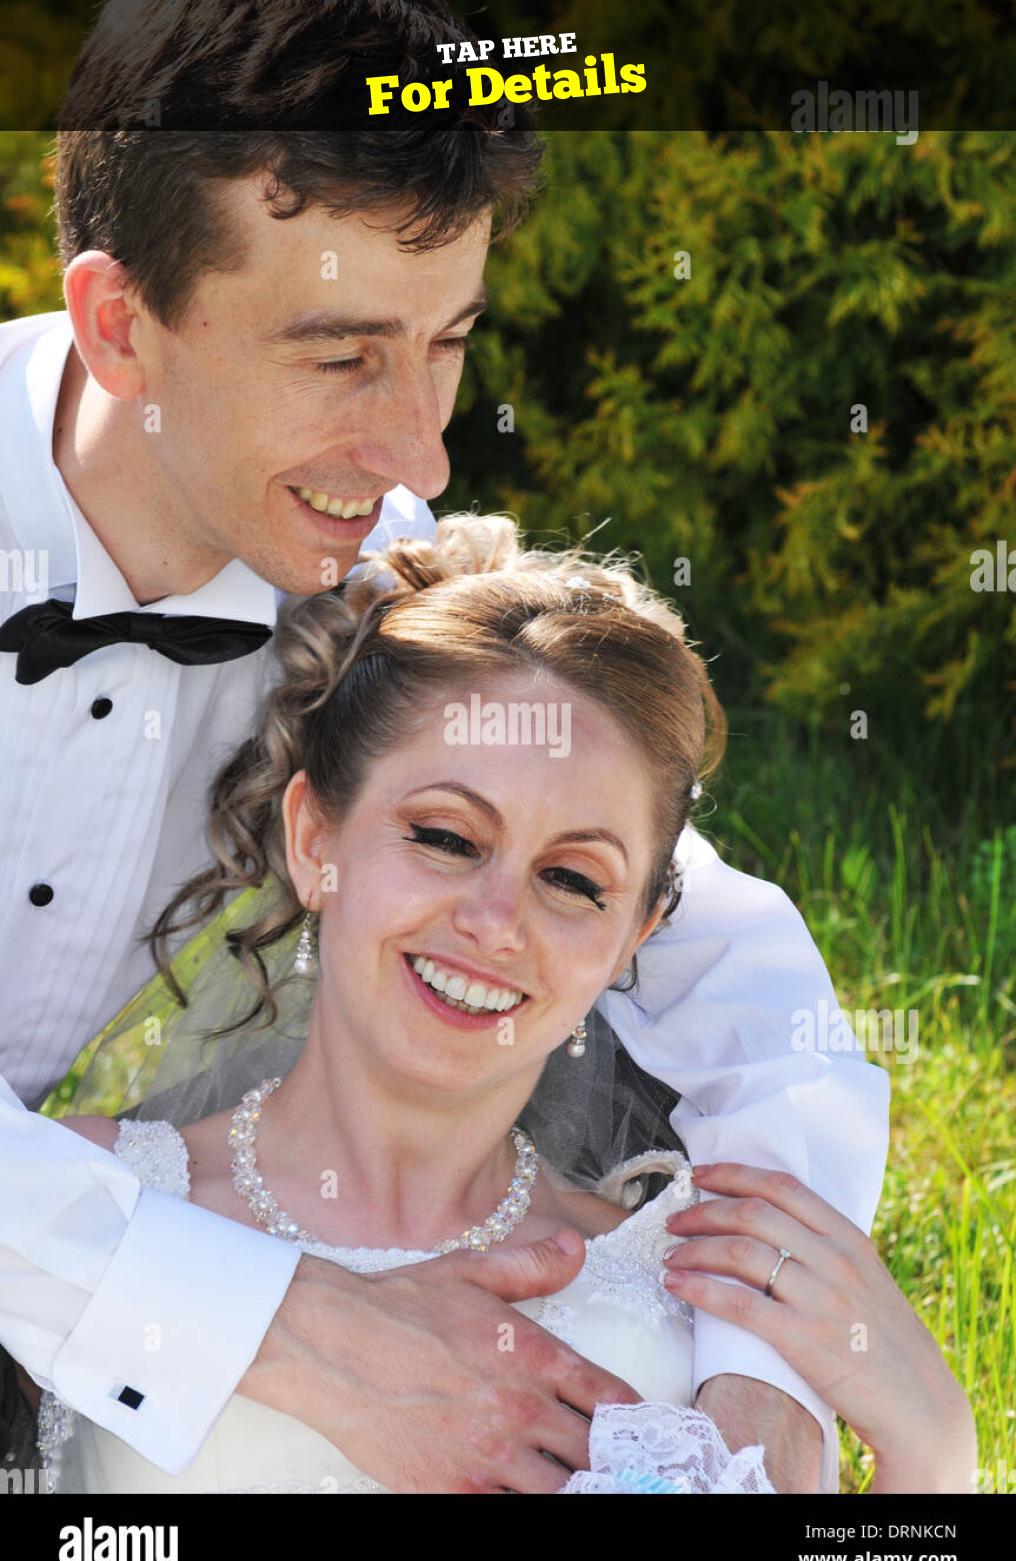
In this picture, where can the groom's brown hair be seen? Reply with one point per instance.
(149, 128)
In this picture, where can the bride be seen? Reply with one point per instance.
(417, 1074)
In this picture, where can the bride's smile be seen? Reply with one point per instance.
(465, 991)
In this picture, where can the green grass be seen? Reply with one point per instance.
(913, 905)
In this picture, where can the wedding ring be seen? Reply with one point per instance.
(784, 1254)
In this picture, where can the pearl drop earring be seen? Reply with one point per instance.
(577, 1043)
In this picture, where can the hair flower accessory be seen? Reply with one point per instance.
(695, 790)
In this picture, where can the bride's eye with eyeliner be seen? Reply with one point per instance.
(576, 883)
(442, 839)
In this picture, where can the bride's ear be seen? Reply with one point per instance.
(632, 947)
(305, 835)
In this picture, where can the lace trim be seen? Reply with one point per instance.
(365, 1260)
(157, 1154)
(659, 1449)
(624, 1263)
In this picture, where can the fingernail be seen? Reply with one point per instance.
(674, 1278)
(669, 1253)
(568, 1241)
(700, 1170)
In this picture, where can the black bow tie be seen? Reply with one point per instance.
(46, 636)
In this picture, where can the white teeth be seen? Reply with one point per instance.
(339, 509)
(472, 996)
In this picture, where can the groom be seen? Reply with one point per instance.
(251, 379)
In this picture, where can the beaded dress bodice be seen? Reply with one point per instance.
(615, 1312)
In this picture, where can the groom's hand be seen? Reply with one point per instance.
(427, 1380)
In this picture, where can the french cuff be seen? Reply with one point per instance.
(173, 1325)
(721, 1349)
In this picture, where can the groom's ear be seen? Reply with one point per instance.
(104, 311)
(305, 836)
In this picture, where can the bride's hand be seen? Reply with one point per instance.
(835, 1314)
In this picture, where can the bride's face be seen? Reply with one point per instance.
(478, 896)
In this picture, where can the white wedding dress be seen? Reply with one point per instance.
(615, 1312)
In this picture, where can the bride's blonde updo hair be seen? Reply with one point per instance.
(357, 665)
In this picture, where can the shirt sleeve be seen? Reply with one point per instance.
(107, 1285)
(406, 507)
(402, 515)
(735, 1010)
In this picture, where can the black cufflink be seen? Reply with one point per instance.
(129, 1396)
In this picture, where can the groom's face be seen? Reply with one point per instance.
(321, 373)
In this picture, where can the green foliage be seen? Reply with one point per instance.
(41, 39)
(29, 272)
(709, 418)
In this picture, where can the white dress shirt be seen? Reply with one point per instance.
(107, 811)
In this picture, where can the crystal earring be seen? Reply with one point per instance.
(577, 1043)
(303, 964)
